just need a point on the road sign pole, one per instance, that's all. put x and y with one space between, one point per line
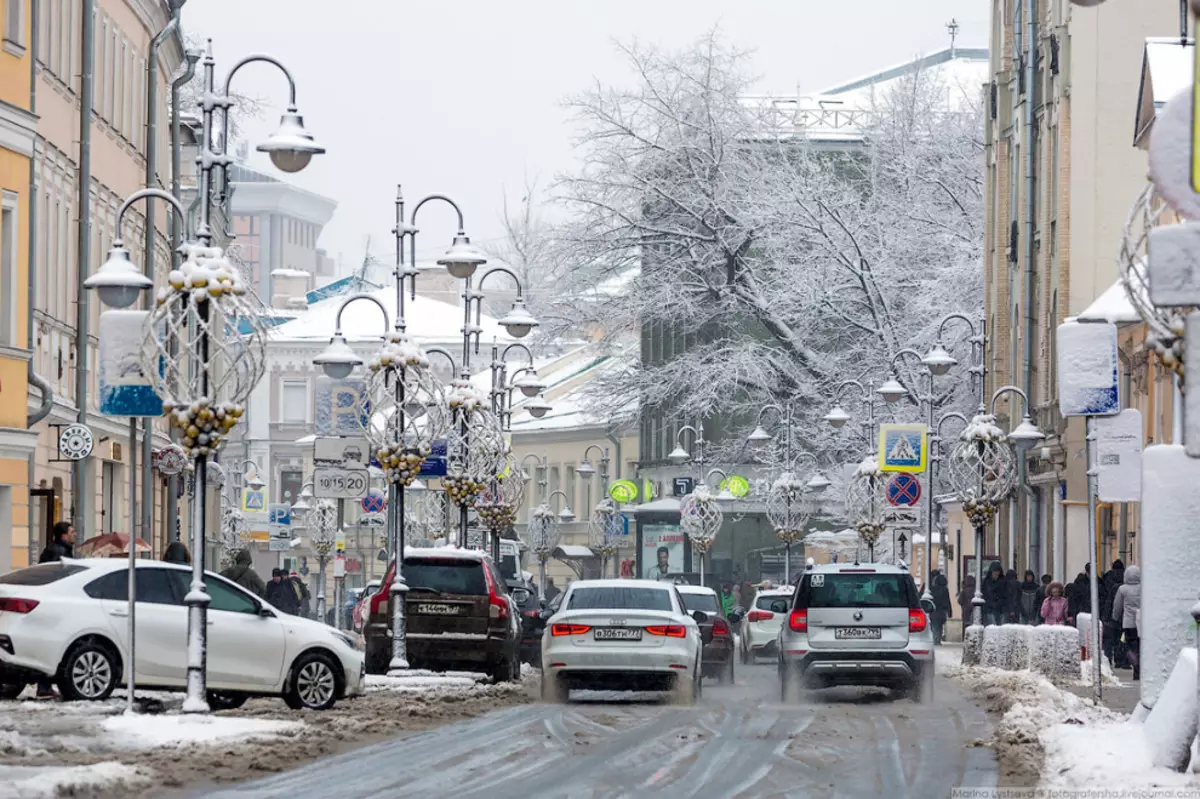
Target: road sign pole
339 581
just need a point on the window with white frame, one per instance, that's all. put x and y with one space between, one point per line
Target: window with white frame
8 270
14 26
293 401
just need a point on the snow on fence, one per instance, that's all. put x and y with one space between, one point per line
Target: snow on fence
1046 649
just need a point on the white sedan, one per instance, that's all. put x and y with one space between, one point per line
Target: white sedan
624 635
69 621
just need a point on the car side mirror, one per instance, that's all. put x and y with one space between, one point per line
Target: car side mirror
736 616
520 596
265 612
545 613
700 616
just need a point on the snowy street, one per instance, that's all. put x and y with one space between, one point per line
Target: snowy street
740 741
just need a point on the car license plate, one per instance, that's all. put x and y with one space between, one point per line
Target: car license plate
426 609
617 634
856 633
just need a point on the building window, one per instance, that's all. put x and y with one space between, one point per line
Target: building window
290 485
14 26
8 270
108 480
294 401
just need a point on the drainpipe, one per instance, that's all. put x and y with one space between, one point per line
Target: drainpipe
1123 524
80 493
1030 155
35 380
148 246
183 73
1016 149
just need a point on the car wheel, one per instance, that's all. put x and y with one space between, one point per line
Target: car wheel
746 658
554 689
506 670
11 690
783 682
313 684
378 657
920 690
729 671
89 672
226 700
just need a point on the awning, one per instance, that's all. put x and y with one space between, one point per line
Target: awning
573 552
1112 306
665 505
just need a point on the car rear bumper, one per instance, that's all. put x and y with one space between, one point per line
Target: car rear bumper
617 679
882 667
759 639
436 648
661 660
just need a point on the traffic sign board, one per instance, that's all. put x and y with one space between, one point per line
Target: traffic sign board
341 452
903 490
280 513
903 447
254 501
902 518
335 482
374 502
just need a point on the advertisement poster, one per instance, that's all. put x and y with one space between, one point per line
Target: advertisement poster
662 550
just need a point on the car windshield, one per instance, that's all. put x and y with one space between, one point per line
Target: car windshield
44 574
446 576
619 597
776 604
704 602
857 591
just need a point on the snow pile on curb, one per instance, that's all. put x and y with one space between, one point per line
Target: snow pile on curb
34 782
148 732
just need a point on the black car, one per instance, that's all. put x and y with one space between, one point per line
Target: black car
533 623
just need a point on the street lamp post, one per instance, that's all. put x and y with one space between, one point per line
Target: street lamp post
544 532
604 516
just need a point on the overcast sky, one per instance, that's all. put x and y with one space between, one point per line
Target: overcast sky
463 97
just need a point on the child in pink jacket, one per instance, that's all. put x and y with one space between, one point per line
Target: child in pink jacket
1054 606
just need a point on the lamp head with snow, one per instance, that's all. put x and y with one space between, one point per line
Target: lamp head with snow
725 496
891 390
256 483
462 259
338 360
518 321
537 407
290 147
300 506
529 384
837 417
938 361
118 282
679 455
1026 436
759 436
585 468
566 514
818 483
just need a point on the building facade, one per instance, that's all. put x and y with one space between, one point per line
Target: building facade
1061 176
123 30
17 134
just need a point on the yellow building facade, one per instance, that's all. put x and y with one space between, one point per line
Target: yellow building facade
17 134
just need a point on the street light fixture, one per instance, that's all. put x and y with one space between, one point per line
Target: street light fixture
891 390
537 407
837 417
462 259
118 282
528 383
338 360
519 322
938 360
759 436
291 146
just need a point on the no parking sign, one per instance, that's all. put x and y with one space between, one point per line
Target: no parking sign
903 491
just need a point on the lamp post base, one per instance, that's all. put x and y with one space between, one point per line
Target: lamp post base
399 592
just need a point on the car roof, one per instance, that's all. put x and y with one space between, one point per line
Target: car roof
118 564
775 592
838 568
695 589
619 583
446 552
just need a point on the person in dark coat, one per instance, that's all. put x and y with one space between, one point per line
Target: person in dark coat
1012 597
281 593
965 599
1079 594
1109 583
62 543
943 609
995 595
1028 598
303 597
177 553
242 572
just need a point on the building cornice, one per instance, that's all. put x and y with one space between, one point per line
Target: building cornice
18 129
17 444
282 198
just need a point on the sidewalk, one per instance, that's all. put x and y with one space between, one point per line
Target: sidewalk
1121 698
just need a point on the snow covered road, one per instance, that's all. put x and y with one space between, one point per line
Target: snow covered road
740 741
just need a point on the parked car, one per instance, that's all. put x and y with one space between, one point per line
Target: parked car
459 615
718 655
359 615
623 635
857 624
533 624
761 626
69 621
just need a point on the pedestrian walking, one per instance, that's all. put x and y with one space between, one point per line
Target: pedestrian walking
995 595
1079 594
177 553
943 609
1030 592
1109 584
242 572
728 603
61 545
551 589
1127 605
1043 592
965 599
1012 598
303 597
1055 606
281 594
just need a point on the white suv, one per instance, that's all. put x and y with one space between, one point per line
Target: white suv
857 624
760 627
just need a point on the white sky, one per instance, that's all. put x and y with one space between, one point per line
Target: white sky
463 97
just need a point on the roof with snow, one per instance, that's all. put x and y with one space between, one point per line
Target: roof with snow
569 391
1167 66
425 320
1113 306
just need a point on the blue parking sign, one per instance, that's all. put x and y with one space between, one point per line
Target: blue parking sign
280 513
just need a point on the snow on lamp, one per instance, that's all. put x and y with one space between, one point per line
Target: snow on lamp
982 469
788 508
865 502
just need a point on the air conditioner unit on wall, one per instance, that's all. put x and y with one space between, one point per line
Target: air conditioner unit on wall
110 450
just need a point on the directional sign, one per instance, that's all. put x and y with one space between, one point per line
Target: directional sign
903 447
336 482
254 501
374 502
903 490
435 462
1088 369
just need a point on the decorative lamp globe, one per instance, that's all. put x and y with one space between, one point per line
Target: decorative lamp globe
518 321
679 455
759 436
585 468
338 360
938 361
290 147
462 259
837 417
529 384
891 390
118 282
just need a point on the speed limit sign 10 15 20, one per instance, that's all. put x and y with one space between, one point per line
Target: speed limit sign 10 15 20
340 483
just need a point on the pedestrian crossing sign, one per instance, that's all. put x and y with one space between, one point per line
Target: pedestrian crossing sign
254 500
903 447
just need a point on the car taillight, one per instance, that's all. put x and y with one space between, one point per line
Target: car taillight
14 605
917 621
497 605
760 615
532 614
798 620
720 627
569 629
379 599
669 630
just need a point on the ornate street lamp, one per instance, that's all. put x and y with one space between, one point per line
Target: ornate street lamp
545 532
322 535
700 519
865 502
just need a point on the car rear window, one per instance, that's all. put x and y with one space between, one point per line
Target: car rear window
704 602
619 597
43 574
857 590
776 604
446 576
